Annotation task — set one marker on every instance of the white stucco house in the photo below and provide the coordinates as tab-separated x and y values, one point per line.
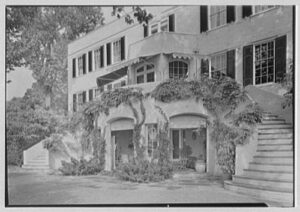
251	44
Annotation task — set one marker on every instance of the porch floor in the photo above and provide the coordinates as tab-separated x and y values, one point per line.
26	188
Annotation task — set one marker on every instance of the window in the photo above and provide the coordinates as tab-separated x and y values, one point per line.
99	58
218	65
154	29
164	25
109	87
74	102
80	65
167	24
178	70
117	51
91	95
152	139
261	8
217	16
145	73
264	62
98	91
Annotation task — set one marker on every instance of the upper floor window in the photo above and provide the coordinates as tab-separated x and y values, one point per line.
117	51
261	8
217	16
81	65
154	28
164	25
218	65
145	73
99	57
264	62
249	10
178	70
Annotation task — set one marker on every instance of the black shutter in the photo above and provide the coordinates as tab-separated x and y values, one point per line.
230	14
74	67
204	67
122	48
172	23
84	97
145	31
108	53
231	64
280	58
90	59
83	63
203	19
91	95
102	56
246	11
248	65
74	102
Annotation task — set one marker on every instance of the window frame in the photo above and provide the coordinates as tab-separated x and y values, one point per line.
210	16
165	18
180	61
144	73
262	11
223	53
113	51
254	60
98	49
80	65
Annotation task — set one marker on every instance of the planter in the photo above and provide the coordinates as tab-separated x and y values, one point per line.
200	166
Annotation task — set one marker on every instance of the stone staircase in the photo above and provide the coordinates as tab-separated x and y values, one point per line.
38	163
269	176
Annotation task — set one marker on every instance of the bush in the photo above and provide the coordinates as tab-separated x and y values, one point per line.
179	165
81	167
144	171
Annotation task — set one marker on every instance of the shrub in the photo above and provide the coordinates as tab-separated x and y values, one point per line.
179	165
144	171
81	167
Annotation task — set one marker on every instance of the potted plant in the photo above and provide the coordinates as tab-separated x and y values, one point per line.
200	164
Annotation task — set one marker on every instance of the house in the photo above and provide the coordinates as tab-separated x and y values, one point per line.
250	44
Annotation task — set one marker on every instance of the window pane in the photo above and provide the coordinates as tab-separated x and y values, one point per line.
264	62
140	79
139	70
150	77
117	51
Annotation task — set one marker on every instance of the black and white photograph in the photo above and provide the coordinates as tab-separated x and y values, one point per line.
140	105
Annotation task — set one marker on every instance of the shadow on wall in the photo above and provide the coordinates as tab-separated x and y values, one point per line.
270	102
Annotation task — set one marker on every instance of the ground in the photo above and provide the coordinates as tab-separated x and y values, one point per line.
28	188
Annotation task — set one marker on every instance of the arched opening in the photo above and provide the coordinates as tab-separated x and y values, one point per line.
188	134
121	140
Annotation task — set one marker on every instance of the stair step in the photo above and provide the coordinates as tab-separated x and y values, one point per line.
271	167
278	153
276	141
276	131
273	121
275	146
265	193
268	175
274	126
273	160
44	167
275	135
275	184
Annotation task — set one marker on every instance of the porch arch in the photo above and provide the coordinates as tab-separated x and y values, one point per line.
121	123
187	120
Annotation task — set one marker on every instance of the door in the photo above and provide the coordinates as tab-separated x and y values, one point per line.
175	141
